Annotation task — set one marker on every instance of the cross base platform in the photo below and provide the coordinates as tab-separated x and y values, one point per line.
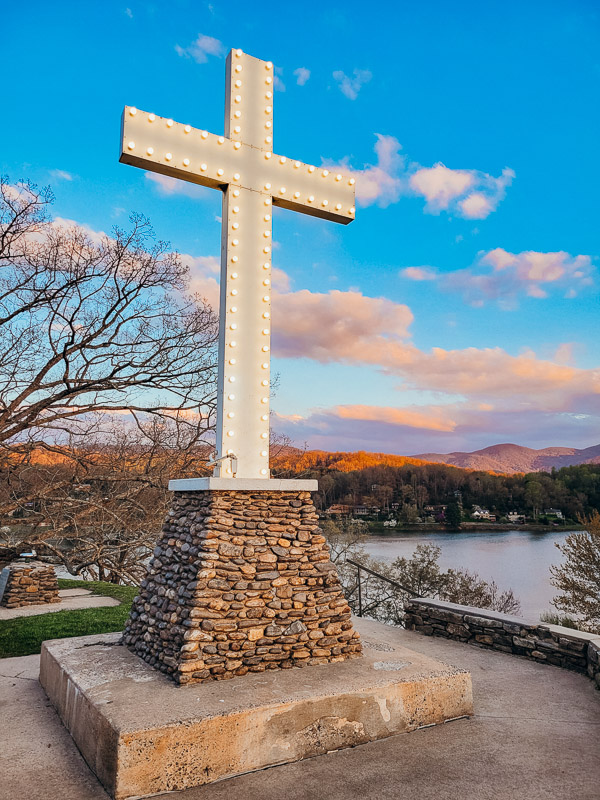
141	734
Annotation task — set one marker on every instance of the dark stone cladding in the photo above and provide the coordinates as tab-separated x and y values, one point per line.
547	644
240	581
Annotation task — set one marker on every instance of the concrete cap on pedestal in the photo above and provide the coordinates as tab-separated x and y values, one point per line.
242	485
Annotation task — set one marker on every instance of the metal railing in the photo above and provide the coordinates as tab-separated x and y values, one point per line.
381	577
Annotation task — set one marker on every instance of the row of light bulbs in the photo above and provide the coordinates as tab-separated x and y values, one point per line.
265	331
237	145
236	177
237	114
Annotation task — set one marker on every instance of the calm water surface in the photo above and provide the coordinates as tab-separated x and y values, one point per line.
516	559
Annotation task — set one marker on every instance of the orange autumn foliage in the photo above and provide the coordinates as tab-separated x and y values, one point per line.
298	461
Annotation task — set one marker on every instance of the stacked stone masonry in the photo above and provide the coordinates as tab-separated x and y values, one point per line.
549	644
29	583
240	582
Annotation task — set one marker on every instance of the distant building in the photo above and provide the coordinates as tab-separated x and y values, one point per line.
515	517
554	512
339	509
390	523
363	510
482	513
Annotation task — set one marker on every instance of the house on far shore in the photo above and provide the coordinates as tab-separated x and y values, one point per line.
482	513
435	513
515	517
363	510
554	512
339	510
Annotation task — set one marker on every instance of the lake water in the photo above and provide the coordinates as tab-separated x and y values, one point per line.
519	560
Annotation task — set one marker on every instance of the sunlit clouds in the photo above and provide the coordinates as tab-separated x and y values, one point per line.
201	48
507	278
466	193
418	273
348	327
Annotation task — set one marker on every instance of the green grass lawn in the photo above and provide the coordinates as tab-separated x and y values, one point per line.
24	635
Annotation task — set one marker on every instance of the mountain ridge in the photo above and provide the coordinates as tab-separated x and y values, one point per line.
512	458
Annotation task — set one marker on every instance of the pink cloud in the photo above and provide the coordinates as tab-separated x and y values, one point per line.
502	276
382	182
337	326
465	192
431	418
418	273
440	185
476	206
351	328
383	429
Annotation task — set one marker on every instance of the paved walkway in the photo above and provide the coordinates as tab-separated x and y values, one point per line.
535	736
70	600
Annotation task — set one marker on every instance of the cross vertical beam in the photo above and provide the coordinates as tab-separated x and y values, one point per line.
243	166
244	334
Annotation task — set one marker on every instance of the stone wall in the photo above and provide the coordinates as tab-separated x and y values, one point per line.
29	583
549	644
241	581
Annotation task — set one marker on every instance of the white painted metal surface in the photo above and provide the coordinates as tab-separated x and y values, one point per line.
252	177
242	485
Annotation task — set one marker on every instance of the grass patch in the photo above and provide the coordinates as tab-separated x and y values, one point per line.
23	636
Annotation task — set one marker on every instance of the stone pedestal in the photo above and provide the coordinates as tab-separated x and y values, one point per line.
241	581
28	583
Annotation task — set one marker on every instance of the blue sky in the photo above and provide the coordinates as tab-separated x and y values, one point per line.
460	308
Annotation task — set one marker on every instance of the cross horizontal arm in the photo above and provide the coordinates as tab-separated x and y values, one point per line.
180	151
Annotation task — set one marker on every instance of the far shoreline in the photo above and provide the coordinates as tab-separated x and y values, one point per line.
377	529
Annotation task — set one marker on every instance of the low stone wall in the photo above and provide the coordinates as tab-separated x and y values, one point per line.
548	644
241	581
29	583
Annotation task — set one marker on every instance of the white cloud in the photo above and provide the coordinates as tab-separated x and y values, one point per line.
129	13
467	193
96	237
278	83
302	75
381	182
418	273
351	85
201	49
61	175
440	185
170	186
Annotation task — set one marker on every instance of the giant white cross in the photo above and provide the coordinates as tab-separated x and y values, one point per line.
252	178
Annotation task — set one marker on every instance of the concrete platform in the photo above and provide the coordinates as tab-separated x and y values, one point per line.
141	734
534	736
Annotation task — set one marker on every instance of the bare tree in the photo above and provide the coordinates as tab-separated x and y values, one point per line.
107	386
92	324
578	577
97	510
